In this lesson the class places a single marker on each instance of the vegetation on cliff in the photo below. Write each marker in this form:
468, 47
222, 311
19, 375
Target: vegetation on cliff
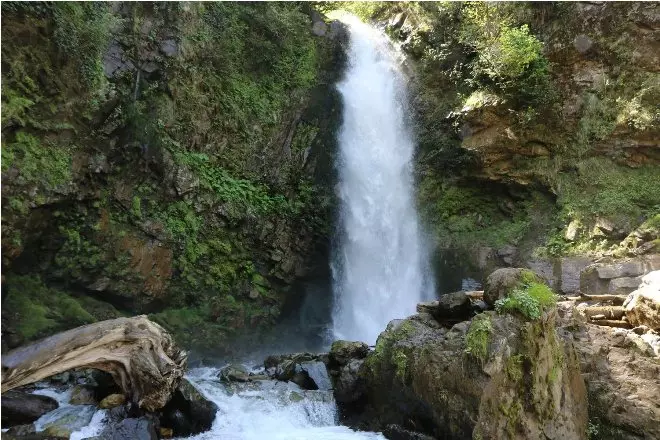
529, 121
162, 158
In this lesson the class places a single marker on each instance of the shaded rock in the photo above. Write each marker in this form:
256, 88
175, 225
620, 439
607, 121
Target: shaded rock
507, 254
63, 421
502, 281
319, 28
130, 429
112, 400
349, 386
397, 432
189, 412
456, 305
83, 395
318, 374
642, 307
343, 352
582, 43
571, 268
21, 430
19, 407
234, 372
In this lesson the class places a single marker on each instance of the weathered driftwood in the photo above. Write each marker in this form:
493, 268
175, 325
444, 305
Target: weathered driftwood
616, 300
140, 355
610, 312
612, 323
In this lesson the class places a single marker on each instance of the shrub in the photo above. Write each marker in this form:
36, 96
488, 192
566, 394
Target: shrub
529, 299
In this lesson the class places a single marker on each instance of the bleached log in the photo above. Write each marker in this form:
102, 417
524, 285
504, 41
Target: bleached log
139, 354
610, 312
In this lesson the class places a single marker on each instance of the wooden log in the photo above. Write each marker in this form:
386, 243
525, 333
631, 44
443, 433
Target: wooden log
610, 312
616, 300
612, 323
141, 356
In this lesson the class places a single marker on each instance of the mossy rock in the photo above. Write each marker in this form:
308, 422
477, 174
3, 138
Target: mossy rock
503, 281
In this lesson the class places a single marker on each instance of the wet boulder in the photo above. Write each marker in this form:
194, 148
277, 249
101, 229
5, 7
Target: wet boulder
64, 421
19, 407
83, 395
188, 412
234, 373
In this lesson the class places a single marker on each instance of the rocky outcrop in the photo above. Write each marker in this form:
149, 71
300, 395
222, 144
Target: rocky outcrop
618, 277
149, 197
345, 361
622, 375
521, 380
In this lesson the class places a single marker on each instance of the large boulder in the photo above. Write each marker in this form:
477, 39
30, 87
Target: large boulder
502, 281
497, 376
189, 412
19, 407
642, 307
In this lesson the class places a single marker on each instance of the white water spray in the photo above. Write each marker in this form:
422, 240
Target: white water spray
380, 269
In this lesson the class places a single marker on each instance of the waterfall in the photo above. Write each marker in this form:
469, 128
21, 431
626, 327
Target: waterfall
380, 269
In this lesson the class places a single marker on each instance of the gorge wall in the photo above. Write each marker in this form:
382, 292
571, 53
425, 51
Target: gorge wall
537, 127
164, 158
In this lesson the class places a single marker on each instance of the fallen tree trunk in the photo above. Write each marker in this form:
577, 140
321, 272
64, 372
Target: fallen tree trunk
612, 323
610, 312
140, 355
616, 300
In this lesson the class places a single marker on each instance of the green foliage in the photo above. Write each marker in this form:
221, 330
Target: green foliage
602, 187
530, 299
510, 54
35, 310
82, 33
478, 337
242, 194
37, 163
466, 216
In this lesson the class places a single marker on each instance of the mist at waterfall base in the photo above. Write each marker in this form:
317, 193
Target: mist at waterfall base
380, 265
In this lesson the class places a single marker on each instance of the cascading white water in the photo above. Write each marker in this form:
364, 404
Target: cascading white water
380, 267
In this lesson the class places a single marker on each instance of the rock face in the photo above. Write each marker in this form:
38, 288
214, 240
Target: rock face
642, 307
617, 277
250, 195
622, 374
523, 381
19, 407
